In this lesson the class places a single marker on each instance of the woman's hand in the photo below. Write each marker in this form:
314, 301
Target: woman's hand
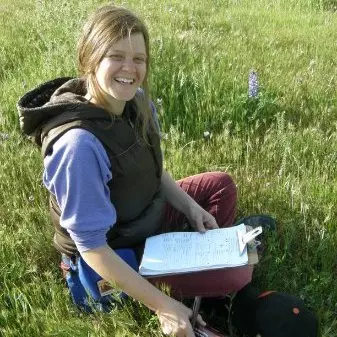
173, 315
176, 320
200, 219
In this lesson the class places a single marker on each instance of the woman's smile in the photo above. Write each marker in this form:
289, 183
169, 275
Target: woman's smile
127, 81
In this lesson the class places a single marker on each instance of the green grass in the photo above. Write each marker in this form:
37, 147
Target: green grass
281, 150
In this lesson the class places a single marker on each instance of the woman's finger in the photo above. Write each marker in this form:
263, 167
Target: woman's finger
199, 224
166, 329
211, 222
184, 331
200, 321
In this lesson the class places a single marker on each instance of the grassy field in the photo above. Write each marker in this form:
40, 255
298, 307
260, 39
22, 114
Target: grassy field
281, 148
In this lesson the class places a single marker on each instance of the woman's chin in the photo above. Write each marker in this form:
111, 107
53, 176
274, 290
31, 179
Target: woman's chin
127, 95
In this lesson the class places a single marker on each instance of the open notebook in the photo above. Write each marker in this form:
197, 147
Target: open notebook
182, 252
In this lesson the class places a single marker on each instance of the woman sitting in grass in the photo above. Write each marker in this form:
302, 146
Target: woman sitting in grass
103, 168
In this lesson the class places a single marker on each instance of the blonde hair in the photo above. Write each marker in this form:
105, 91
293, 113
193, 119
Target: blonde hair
106, 26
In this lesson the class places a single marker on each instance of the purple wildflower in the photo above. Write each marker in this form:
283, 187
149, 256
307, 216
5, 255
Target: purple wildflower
253, 84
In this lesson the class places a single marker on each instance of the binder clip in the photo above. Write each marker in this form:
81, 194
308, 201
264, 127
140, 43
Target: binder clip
244, 238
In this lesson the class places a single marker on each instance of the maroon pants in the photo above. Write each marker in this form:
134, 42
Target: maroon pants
213, 191
216, 193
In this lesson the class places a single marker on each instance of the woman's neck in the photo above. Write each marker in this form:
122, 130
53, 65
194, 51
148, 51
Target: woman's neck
115, 107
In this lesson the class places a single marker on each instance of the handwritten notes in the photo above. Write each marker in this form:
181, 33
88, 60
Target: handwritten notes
182, 252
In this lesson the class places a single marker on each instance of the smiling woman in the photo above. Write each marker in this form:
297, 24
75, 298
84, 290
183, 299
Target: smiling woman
120, 73
103, 168
114, 46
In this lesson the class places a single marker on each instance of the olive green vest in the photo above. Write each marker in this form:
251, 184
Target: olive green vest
136, 169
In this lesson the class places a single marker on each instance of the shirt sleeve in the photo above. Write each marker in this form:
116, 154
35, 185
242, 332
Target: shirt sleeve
155, 116
77, 173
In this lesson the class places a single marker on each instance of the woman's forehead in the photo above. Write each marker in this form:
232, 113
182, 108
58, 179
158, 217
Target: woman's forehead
134, 43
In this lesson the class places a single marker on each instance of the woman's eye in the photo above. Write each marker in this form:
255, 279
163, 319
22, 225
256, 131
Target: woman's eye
116, 57
139, 59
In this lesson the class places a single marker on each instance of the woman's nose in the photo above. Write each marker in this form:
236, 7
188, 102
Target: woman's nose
129, 65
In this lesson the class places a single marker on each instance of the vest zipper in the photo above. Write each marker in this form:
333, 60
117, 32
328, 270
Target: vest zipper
130, 123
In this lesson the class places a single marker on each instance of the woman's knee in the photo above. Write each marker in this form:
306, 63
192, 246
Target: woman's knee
224, 182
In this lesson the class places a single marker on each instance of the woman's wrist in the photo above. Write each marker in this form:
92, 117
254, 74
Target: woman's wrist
165, 304
191, 207
176, 196
169, 304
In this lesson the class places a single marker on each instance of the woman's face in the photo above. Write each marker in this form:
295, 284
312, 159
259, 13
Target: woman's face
123, 69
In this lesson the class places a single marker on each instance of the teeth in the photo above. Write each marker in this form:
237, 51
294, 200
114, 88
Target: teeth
124, 80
